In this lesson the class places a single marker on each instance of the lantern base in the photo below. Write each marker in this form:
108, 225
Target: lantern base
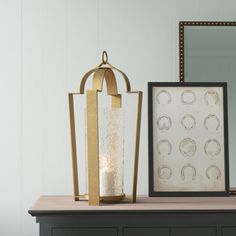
112, 198
85, 197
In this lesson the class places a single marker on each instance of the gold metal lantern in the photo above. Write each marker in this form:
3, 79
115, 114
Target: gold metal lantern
104, 171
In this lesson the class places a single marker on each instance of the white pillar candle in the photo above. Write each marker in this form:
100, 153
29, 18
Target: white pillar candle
107, 178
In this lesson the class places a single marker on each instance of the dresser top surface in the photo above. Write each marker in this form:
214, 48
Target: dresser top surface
66, 204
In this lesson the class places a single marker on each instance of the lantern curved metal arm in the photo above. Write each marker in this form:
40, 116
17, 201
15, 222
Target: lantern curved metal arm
106, 72
102, 72
109, 77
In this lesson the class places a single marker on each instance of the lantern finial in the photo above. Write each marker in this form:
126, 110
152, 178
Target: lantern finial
104, 57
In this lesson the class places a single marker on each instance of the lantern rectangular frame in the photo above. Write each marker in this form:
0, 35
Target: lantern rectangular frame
180, 192
94, 193
103, 72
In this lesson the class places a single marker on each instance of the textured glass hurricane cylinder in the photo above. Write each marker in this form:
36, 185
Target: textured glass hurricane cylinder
111, 152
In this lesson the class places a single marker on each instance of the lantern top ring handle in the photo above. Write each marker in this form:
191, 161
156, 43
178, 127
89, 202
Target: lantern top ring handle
104, 57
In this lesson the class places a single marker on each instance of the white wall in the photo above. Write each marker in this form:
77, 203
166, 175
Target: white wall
45, 47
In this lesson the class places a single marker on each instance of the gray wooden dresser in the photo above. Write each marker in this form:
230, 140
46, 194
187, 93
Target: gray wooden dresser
160, 216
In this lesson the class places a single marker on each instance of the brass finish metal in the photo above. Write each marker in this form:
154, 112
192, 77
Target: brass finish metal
116, 101
104, 57
93, 152
103, 71
85, 197
112, 198
73, 147
137, 141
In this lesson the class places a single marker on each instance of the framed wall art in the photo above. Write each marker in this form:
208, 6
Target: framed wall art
188, 139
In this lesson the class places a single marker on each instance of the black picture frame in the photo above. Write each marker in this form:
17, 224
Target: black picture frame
175, 193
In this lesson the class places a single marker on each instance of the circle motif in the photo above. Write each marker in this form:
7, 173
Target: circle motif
188, 122
216, 168
164, 142
188, 97
211, 116
166, 93
164, 172
164, 122
188, 166
212, 147
187, 147
211, 96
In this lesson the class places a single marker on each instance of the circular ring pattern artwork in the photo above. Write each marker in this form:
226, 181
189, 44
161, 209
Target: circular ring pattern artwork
188, 143
212, 147
209, 118
167, 97
187, 147
164, 172
187, 166
213, 167
188, 97
188, 122
164, 122
211, 97
162, 143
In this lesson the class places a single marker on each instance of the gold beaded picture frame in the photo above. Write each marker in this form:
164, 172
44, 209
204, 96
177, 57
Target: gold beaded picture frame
182, 27
188, 139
